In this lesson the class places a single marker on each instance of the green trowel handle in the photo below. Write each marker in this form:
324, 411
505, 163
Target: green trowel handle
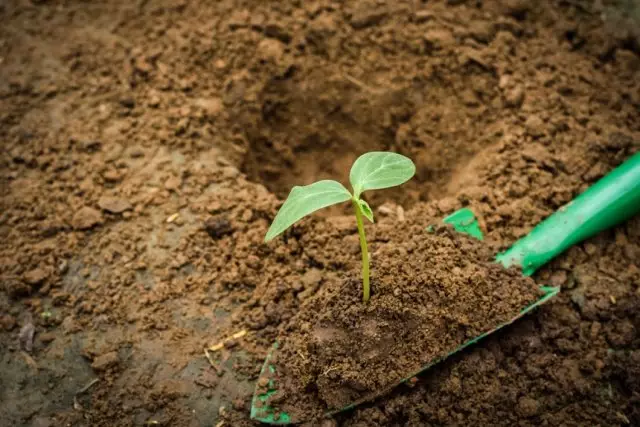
613, 199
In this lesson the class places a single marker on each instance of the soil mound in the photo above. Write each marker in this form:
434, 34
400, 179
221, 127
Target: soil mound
432, 292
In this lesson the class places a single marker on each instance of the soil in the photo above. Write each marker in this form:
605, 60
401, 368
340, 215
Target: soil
432, 293
145, 146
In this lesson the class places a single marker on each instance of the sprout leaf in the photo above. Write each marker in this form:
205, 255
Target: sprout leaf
305, 200
365, 209
377, 170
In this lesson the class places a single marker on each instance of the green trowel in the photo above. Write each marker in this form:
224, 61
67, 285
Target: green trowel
610, 201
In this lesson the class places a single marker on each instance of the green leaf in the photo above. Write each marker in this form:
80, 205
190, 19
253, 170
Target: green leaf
304, 200
376, 170
365, 209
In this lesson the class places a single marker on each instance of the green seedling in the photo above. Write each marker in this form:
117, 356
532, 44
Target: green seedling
371, 171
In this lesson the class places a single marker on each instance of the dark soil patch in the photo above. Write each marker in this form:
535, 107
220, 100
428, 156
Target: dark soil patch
432, 292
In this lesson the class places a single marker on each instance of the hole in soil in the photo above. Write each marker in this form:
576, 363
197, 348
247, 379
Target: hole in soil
315, 127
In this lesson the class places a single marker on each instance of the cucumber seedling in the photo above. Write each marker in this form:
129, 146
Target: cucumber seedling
371, 171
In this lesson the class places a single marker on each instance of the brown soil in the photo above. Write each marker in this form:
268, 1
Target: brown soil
432, 292
145, 147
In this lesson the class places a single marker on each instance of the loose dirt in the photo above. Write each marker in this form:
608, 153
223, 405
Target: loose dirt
432, 293
145, 147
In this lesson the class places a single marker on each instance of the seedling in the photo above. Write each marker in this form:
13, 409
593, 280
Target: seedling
371, 171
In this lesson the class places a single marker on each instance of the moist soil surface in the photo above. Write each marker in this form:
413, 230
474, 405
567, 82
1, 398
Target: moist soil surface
432, 293
147, 145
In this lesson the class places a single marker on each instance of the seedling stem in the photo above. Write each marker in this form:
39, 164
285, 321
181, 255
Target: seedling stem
365, 252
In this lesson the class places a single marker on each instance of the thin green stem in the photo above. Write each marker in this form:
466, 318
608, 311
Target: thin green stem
365, 252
